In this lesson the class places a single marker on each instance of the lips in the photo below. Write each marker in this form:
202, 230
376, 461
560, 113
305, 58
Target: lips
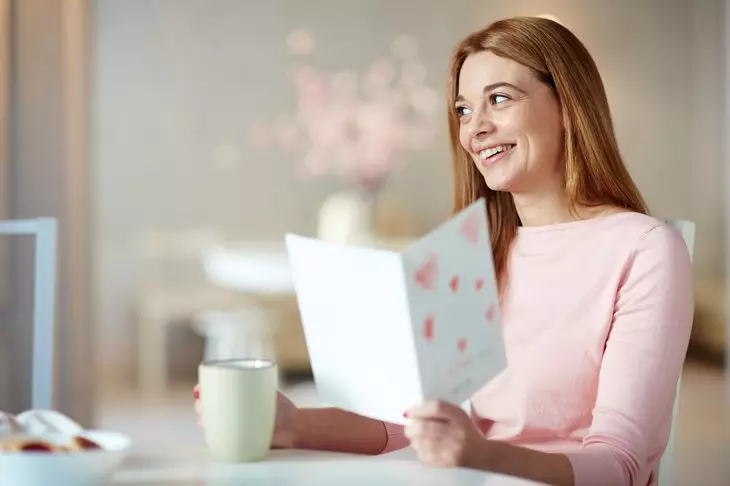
494, 150
494, 153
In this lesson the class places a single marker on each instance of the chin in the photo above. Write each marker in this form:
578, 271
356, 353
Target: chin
498, 177
498, 182
499, 187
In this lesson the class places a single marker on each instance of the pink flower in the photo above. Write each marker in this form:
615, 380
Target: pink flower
360, 129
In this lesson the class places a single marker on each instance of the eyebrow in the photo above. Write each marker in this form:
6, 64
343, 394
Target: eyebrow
494, 86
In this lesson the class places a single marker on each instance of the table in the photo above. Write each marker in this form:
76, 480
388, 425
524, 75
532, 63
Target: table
307, 468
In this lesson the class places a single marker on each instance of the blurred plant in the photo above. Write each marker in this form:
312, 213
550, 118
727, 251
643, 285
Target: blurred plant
357, 127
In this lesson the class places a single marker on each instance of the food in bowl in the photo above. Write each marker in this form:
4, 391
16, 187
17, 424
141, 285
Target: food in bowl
80, 443
28, 444
42, 431
42, 448
35, 444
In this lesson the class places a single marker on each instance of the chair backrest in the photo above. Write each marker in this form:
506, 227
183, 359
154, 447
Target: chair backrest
666, 465
44, 303
687, 229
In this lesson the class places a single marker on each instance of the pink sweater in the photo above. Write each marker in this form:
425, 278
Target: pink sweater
596, 322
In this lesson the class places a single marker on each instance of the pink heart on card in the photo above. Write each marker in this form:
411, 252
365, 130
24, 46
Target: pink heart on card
470, 227
429, 328
490, 313
479, 283
427, 273
454, 283
461, 344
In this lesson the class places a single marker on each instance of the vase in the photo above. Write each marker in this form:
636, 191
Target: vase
348, 217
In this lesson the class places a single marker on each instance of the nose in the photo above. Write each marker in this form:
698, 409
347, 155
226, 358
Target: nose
481, 124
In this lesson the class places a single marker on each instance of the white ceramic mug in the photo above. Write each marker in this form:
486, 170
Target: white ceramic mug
238, 398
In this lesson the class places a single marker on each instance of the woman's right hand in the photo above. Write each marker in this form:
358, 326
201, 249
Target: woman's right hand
284, 427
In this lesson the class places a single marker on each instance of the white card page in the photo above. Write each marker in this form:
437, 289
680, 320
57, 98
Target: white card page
387, 330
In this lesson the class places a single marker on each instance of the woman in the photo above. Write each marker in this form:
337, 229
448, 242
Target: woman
596, 295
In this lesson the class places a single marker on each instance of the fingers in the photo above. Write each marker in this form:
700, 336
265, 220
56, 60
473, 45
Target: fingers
427, 451
434, 410
198, 405
430, 439
432, 429
437, 432
199, 412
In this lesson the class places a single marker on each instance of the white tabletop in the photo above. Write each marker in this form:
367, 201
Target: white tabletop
304, 468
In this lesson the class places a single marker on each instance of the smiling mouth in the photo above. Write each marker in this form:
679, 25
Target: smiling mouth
493, 153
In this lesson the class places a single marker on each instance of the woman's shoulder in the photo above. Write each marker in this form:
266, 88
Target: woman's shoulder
616, 237
645, 232
652, 247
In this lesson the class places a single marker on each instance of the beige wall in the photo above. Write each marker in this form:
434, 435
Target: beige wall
175, 79
47, 176
726, 191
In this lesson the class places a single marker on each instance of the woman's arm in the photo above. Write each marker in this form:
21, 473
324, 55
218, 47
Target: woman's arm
637, 384
444, 435
542, 467
641, 365
332, 429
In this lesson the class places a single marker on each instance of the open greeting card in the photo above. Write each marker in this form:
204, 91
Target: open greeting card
388, 330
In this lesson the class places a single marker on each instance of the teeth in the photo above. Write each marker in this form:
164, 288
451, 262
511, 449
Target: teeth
485, 154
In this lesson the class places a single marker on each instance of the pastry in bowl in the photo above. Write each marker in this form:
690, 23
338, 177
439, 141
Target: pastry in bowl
22, 443
42, 448
28, 444
80, 443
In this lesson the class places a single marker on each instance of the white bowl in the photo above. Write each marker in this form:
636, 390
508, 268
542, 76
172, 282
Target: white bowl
87, 468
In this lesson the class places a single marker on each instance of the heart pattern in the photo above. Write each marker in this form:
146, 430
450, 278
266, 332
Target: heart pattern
454, 283
461, 344
470, 228
429, 328
490, 313
427, 274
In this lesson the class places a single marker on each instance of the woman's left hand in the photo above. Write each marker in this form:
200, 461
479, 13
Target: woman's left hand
444, 435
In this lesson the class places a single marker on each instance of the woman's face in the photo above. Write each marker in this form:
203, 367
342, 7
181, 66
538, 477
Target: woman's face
510, 124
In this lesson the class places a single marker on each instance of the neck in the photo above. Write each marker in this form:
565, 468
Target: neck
537, 209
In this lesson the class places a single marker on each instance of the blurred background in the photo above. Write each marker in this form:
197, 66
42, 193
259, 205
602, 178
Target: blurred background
177, 141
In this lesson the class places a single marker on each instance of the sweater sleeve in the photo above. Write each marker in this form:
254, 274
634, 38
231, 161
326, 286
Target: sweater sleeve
642, 362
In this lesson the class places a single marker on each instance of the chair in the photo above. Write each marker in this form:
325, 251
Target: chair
667, 462
44, 303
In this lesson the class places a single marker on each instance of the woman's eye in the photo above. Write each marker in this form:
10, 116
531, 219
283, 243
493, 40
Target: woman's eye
496, 99
463, 111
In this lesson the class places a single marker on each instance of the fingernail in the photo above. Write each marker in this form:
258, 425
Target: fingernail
405, 414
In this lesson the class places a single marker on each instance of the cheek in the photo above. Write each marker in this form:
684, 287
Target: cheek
543, 138
547, 142
545, 130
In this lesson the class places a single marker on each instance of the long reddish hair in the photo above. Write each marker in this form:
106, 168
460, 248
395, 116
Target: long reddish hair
595, 173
